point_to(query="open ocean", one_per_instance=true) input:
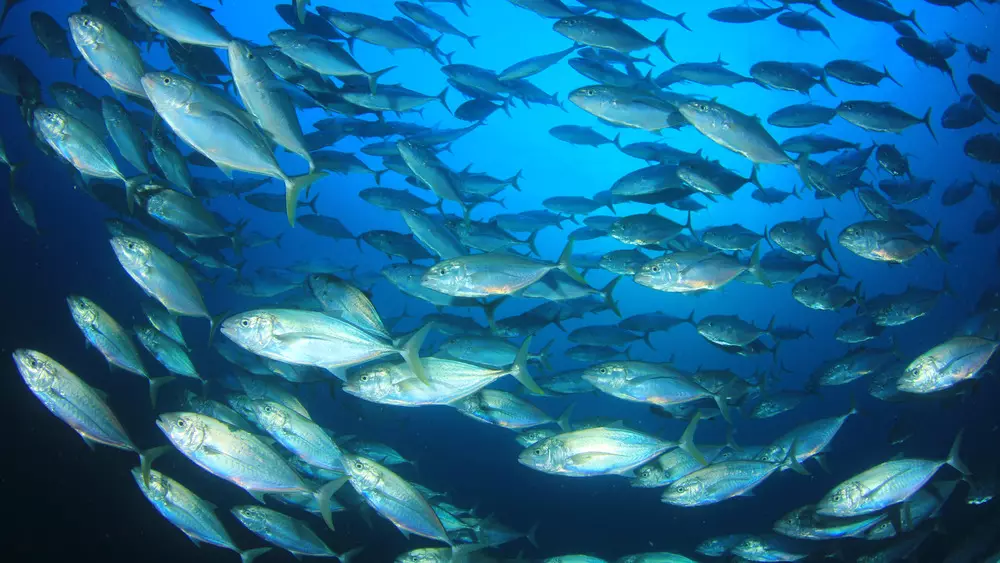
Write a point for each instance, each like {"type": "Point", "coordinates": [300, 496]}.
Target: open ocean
{"type": "Point", "coordinates": [64, 500]}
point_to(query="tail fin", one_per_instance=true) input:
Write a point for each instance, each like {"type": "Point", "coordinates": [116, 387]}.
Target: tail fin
{"type": "Point", "coordinates": [686, 442]}
{"type": "Point", "coordinates": [563, 420]}
{"type": "Point", "coordinates": [938, 245]}
{"type": "Point", "coordinates": [565, 264]}
{"type": "Point", "coordinates": [679, 19]}
{"type": "Point", "coordinates": [131, 185]}
{"type": "Point", "coordinates": [531, 242]}
{"type": "Point", "coordinates": [792, 459]}
{"type": "Point", "coordinates": [350, 554]}
{"type": "Point", "coordinates": [373, 77]}
{"type": "Point", "coordinates": [826, 85]}
{"type": "Point", "coordinates": [609, 300]}
{"type": "Point", "coordinates": [885, 72]}
{"type": "Point", "coordinates": [755, 268]}
{"type": "Point", "coordinates": [543, 355]}
{"type": "Point", "coordinates": [530, 536]}
{"type": "Point", "coordinates": [519, 369]}
{"type": "Point", "coordinates": [214, 322]}
{"type": "Point", "coordinates": [154, 387]}
{"type": "Point", "coordinates": [443, 98]}
{"type": "Point", "coordinates": [323, 495]}
{"type": "Point", "coordinates": [146, 459]}
{"type": "Point", "coordinates": [490, 310]}
{"type": "Point", "coordinates": [927, 121]}
{"type": "Point", "coordinates": [249, 555]}
{"type": "Point", "coordinates": [617, 141]}
{"type": "Point", "coordinates": [661, 42]}
{"type": "Point", "coordinates": [753, 179]}
{"type": "Point", "coordinates": [953, 459]}
{"type": "Point", "coordinates": [411, 351]}
{"type": "Point", "coordinates": [293, 187]}
{"type": "Point", "coordinates": [912, 18]}
{"type": "Point", "coordinates": [515, 178]}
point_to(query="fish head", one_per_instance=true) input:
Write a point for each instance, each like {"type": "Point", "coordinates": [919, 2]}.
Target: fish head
{"type": "Point", "coordinates": [610, 375]}
{"type": "Point", "coordinates": [371, 382]}
{"type": "Point", "coordinates": [648, 475]}
{"type": "Point", "coordinates": [146, 334]}
{"type": "Point", "coordinates": [545, 455]}
{"type": "Point", "coordinates": [881, 531]}
{"type": "Point", "coordinates": [570, 25]}
{"type": "Point", "coordinates": [702, 114]}
{"type": "Point", "coordinates": [269, 414]}
{"type": "Point", "coordinates": [920, 375]}
{"type": "Point", "coordinates": [39, 371]}
{"type": "Point", "coordinates": [790, 523]}
{"type": "Point", "coordinates": [856, 239]}
{"type": "Point", "coordinates": [773, 453]}
{"type": "Point", "coordinates": [87, 30]}
{"type": "Point", "coordinates": [158, 487]}
{"type": "Point", "coordinates": [252, 330]}
{"type": "Point", "coordinates": [445, 277]}
{"type": "Point", "coordinates": [243, 60]}
{"type": "Point", "coordinates": [364, 473]}
{"type": "Point", "coordinates": [242, 404]}
{"type": "Point", "coordinates": [84, 310]}
{"type": "Point", "coordinates": [842, 500]}
{"type": "Point", "coordinates": [186, 430]}
{"type": "Point", "coordinates": [750, 546]}
{"type": "Point", "coordinates": [686, 491]}
{"type": "Point", "coordinates": [51, 122]}
{"type": "Point", "coordinates": [533, 436]}
{"type": "Point", "coordinates": [655, 273]}
{"type": "Point", "coordinates": [254, 517]}
{"type": "Point", "coordinates": [590, 97]}
{"type": "Point", "coordinates": [168, 91]}
{"type": "Point", "coordinates": [133, 252]}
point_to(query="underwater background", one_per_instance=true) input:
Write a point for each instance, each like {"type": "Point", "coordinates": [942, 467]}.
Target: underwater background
{"type": "Point", "coordinates": [65, 501]}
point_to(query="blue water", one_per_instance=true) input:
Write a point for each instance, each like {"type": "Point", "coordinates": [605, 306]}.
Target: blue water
{"type": "Point", "coordinates": [476, 463]}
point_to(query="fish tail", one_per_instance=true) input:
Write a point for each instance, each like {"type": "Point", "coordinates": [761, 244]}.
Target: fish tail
{"type": "Point", "coordinates": [792, 459]}
{"type": "Point", "coordinates": [373, 77]}
{"type": "Point", "coordinates": [350, 554]}
{"type": "Point", "coordinates": [532, 238]}
{"type": "Point", "coordinates": [519, 369]}
{"type": "Point", "coordinates": [131, 185]}
{"type": "Point", "coordinates": [686, 442]}
{"type": "Point", "coordinates": [912, 18]}
{"type": "Point", "coordinates": [609, 300]}
{"type": "Point", "coordinates": [154, 387]}
{"type": "Point", "coordinates": [679, 20]}
{"type": "Point", "coordinates": [323, 496]}
{"type": "Point", "coordinates": [293, 187]}
{"type": "Point", "coordinates": [926, 120]}
{"type": "Point", "coordinates": [443, 98]}
{"type": "Point", "coordinates": [826, 85]}
{"type": "Point", "coordinates": [472, 40]}
{"type": "Point", "coordinates": [938, 245]}
{"type": "Point", "coordinates": [690, 319]}
{"type": "Point", "coordinates": [885, 71]}
{"type": "Point", "coordinates": [490, 309]}
{"type": "Point", "coordinates": [755, 180]}
{"type": "Point", "coordinates": [146, 459]}
{"type": "Point", "coordinates": [566, 266]}
{"type": "Point", "coordinates": [824, 9]}
{"type": "Point", "coordinates": [411, 352]}
{"type": "Point", "coordinates": [661, 42]}
{"type": "Point", "coordinates": [953, 459]}
{"type": "Point", "coordinates": [249, 555]}
{"type": "Point", "coordinates": [530, 536]}
{"type": "Point", "coordinates": [543, 355]}
{"type": "Point", "coordinates": [755, 268]}
{"type": "Point", "coordinates": [215, 320]}
{"type": "Point", "coordinates": [731, 439]}
{"type": "Point", "coordinates": [563, 420]}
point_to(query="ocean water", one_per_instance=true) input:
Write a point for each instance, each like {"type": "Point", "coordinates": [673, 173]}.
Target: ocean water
{"type": "Point", "coordinates": [65, 500]}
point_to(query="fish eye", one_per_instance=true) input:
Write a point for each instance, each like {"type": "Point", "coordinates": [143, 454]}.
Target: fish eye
{"type": "Point", "coordinates": [538, 451]}
{"type": "Point", "coordinates": [364, 378]}
{"type": "Point", "coordinates": [655, 269]}
{"type": "Point", "coordinates": [166, 80]}
{"type": "Point", "coordinates": [245, 323]}
{"type": "Point", "coordinates": [130, 245]}
{"type": "Point", "coordinates": [681, 489]}
{"type": "Point", "coordinates": [181, 423]}
{"type": "Point", "coordinates": [268, 409]}
{"type": "Point", "coordinates": [603, 370]}
{"type": "Point", "coordinates": [358, 465]}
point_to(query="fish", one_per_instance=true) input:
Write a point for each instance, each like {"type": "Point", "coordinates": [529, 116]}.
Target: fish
{"type": "Point", "coordinates": [600, 451]}
{"type": "Point", "coordinates": [885, 241]}
{"type": "Point", "coordinates": [947, 364]}
{"type": "Point", "coordinates": [881, 117]}
{"type": "Point", "coordinates": [191, 514]}
{"type": "Point", "coordinates": [224, 133]}
{"type": "Point", "coordinates": [169, 353]}
{"type": "Point", "coordinates": [82, 407]}
{"type": "Point", "coordinates": [885, 484]}
{"type": "Point", "coordinates": [282, 530]}
{"type": "Point", "coordinates": [183, 21]}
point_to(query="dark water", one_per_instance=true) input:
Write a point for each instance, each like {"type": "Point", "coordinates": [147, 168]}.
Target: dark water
{"type": "Point", "coordinates": [63, 500]}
